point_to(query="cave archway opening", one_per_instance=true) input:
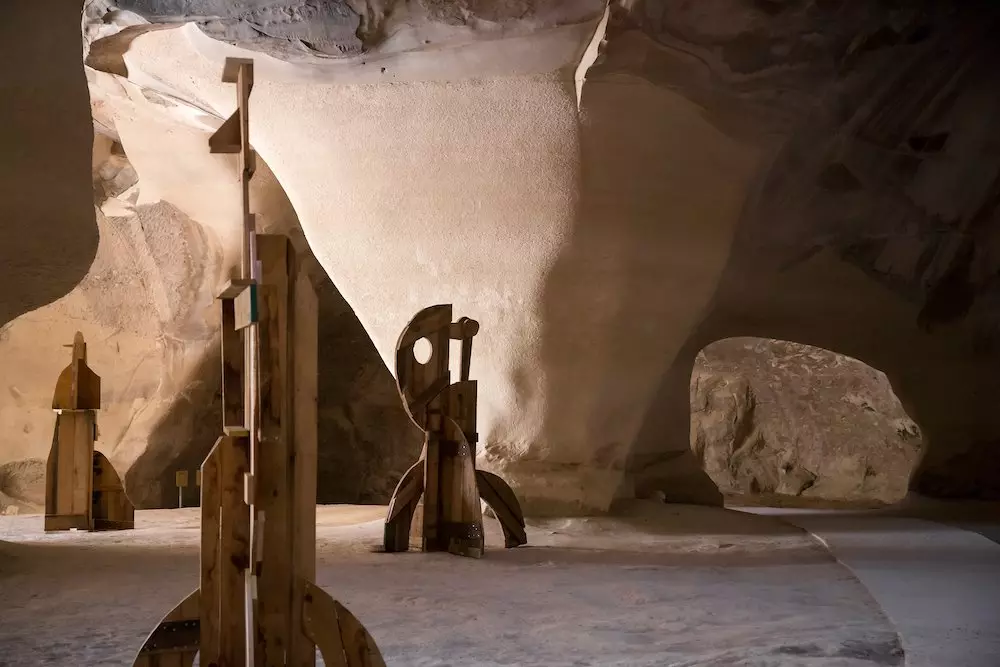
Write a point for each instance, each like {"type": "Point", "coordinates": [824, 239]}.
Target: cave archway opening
{"type": "Point", "coordinates": [780, 423]}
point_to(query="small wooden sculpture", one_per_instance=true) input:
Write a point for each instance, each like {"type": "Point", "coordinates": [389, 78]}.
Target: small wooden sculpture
{"type": "Point", "coordinates": [256, 603]}
{"type": "Point", "coordinates": [445, 477]}
{"type": "Point", "coordinates": [82, 489]}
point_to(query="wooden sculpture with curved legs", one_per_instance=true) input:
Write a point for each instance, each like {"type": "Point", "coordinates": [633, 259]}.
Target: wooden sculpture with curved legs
{"type": "Point", "coordinates": [256, 604]}
{"type": "Point", "coordinates": [440, 494]}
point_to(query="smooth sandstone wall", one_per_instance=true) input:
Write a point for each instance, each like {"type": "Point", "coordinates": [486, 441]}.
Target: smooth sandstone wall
{"type": "Point", "coordinates": [584, 247]}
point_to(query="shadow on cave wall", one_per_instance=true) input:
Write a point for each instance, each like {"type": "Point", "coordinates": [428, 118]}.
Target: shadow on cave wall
{"type": "Point", "coordinates": [180, 440]}
{"type": "Point", "coordinates": [873, 232]}
{"type": "Point", "coordinates": [48, 233]}
{"type": "Point", "coordinates": [366, 442]}
{"type": "Point", "coordinates": [899, 262]}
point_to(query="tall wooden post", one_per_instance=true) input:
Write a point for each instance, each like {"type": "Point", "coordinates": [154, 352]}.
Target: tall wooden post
{"type": "Point", "coordinates": [256, 605]}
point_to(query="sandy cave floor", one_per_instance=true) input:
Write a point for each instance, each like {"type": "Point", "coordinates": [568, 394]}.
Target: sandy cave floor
{"type": "Point", "coordinates": [661, 585]}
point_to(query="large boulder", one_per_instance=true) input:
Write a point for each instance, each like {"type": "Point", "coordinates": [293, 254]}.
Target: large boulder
{"type": "Point", "coordinates": [771, 418]}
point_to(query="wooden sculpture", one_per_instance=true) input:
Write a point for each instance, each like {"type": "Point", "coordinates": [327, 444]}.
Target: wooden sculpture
{"type": "Point", "coordinates": [82, 489]}
{"type": "Point", "coordinates": [440, 494]}
{"type": "Point", "coordinates": [257, 603]}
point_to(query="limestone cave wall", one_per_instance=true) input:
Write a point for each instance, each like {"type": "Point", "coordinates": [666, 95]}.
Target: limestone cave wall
{"type": "Point", "coordinates": [607, 192]}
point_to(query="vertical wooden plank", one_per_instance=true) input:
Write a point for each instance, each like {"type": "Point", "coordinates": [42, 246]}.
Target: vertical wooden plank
{"type": "Point", "coordinates": [83, 464]}
{"type": "Point", "coordinates": [273, 477]}
{"type": "Point", "coordinates": [244, 83]}
{"type": "Point", "coordinates": [52, 473]}
{"type": "Point", "coordinates": [449, 510]}
{"type": "Point", "coordinates": [111, 509]}
{"type": "Point", "coordinates": [234, 547]}
{"type": "Point", "coordinates": [471, 510]}
{"type": "Point", "coordinates": [209, 599]}
{"type": "Point", "coordinates": [303, 337]}
{"type": "Point", "coordinates": [232, 368]}
{"type": "Point", "coordinates": [432, 492]}
{"type": "Point", "coordinates": [66, 462]}
{"type": "Point", "coordinates": [170, 660]}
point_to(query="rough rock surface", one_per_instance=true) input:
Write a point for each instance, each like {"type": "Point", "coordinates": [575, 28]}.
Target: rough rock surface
{"type": "Point", "coordinates": [22, 486]}
{"type": "Point", "coordinates": [147, 310]}
{"type": "Point", "coordinates": [816, 171]}
{"type": "Point", "coordinates": [771, 417]}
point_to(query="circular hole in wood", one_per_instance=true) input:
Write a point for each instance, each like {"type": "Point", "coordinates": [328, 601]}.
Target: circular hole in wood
{"type": "Point", "coordinates": [422, 351]}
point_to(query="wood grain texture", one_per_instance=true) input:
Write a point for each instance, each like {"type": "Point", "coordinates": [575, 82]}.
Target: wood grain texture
{"type": "Point", "coordinates": [232, 367]}
{"type": "Point", "coordinates": [304, 339]}
{"type": "Point", "coordinates": [234, 547]}
{"type": "Point", "coordinates": [501, 499]}
{"type": "Point", "coordinates": [69, 482]}
{"type": "Point", "coordinates": [211, 591]}
{"type": "Point", "coordinates": [186, 610]}
{"type": "Point", "coordinates": [111, 508]}
{"type": "Point", "coordinates": [462, 493]}
{"type": "Point", "coordinates": [341, 638]}
{"type": "Point", "coordinates": [273, 478]}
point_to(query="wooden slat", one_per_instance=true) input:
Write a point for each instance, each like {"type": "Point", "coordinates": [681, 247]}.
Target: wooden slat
{"type": "Point", "coordinates": [409, 488]}
{"type": "Point", "coordinates": [244, 84]}
{"type": "Point", "coordinates": [501, 499]}
{"type": "Point", "coordinates": [341, 638]}
{"type": "Point", "coordinates": [210, 603]}
{"type": "Point", "coordinates": [402, 512]}
{"type": "Point", "coordinates": [73, 468]}
{"type": "Point", "coordinates": [274, 476]}
{"type": "Point", "coordinates": [432, 493]}
{"type": "Point", "coordinates": [186, 610]}
{"type": "Point", "coordinates": [52, 474]}
{"type": "Point", "coordinates": [234, 547]}
{"type": "Point", "coordinates": [359, 646]}
{"type": "Point", "coordinates": [112, 510]}
{"type": "Point", "coordinates": [449, 508]}
{"type": "Point", "coordinates": [83, 462]}
{"type": "Point", "coordinates": [65, 482]}
{"type": "Point", "coordinates": [462, 399]}
{"type": "Point", "coordinates": [303, 338]}
{"type": "Point", "coordinates": [232, 368]}
{"type": "Point", "coordinates": [464, 508]}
